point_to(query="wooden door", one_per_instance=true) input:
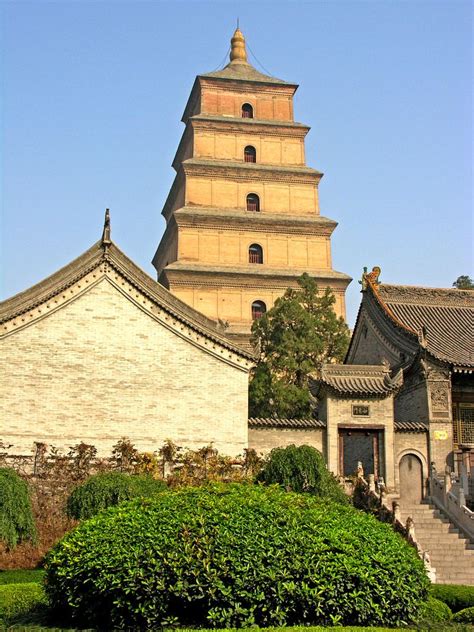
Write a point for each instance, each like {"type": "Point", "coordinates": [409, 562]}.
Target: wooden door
{"type": "Point", "coordinates": [411, 479]}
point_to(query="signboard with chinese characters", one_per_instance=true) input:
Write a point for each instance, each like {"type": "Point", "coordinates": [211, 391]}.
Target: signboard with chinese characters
{"type": "Point", "coordinates": [360, 410]}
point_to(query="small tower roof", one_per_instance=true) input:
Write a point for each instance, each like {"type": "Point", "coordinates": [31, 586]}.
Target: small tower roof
{"type": "Point", "coordinates": [239, 68]}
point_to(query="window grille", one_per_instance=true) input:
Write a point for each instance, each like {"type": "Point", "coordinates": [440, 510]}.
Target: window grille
{"type": "Point", "coordinates": [463, 424]}
{"type": "Point", "coordinates": [250, 154]}
{"type": "Point", "coordinates": [247, 111]}
{"type": "Point", "coordinates": [255, 254]}
{"type": "Point", "coordinates": [253, 202]}
{"type": "Point", "coordinates": [258, 309]}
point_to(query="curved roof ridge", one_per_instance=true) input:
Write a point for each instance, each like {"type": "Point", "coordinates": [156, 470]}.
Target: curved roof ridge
{"type": "Point", "coordinates": [40, 291]}
{"type": "Point", "coordinates": [97, 254]}
{"type": "Point", "coordinates": [373, 285]}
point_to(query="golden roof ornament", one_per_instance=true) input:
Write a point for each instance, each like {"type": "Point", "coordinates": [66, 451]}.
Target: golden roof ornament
{"type": "Point", "coordinates": [238, 53]}
{"type": "Point", "coordinates": [370, 277]}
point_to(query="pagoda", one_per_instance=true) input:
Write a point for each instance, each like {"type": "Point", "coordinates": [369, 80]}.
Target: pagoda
{"type": "Point", "coordinates": [242, 215]}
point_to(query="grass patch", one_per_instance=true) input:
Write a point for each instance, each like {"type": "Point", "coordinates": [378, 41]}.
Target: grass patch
{"type": "Point", "coordinates": [21, 577]}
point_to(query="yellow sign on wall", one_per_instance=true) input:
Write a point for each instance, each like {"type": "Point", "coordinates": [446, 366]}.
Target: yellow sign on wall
{"type": "Point", "coordinates": [440, 435]}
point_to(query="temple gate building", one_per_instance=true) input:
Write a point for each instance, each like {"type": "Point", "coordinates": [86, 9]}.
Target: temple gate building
{"type": "Point", "coordinates": [243, 219]}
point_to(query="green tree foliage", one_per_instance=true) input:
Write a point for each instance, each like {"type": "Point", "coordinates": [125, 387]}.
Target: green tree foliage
{"type": "Point", "coordinates": [301, 469]}
{"type": "Point", "coordinates": [464, 282]}
{"type": "Point", "coordinates": [234, 556]}
{"type": "Point", "coordinates": [294, 338]}
{"type": "Point", "coordinates": [105, 490]}
{"type": "Point", "coordinates": [16, 516]}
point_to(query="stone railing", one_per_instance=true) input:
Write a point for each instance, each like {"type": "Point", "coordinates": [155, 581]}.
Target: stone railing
{"type": "Point", "coordinates": [449, 493]}
{"type": "Point", "coordinates": [371, 496]}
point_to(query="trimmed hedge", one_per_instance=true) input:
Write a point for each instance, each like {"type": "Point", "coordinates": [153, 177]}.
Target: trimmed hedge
{"type": "Point", "coordinates": [20, 600]}
{"type": "Point", "coordinates": [464, 616]}
{"type": "Point", "coordinates": [457, 597]}
{"type": "Point", "coordinates": [234, 556]}
{"type": "Point", "coordinates": [301, 469]}
{"type": "Point", "coordinates": [435, 611]}
{"type": "Point", "coordinates": [107, 490]}
{"type": "Point", "coordinates": [16, 516]}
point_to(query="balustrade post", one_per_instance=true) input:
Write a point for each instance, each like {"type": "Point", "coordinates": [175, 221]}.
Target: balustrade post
{"type": "Point", "coordinates": [372, 483]}
{"type": "Point", "coordinates": [463, 479]}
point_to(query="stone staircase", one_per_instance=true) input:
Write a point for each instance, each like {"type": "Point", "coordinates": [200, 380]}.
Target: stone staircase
{"type": "Point", "coordinates": [451, 554]}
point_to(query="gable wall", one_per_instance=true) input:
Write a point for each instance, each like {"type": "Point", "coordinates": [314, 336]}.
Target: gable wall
{"type": "Point", "coordinates": [100, 368]}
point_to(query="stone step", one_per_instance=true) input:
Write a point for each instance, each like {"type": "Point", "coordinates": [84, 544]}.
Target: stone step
{"type": "Point", "coordinates": [451, 553]}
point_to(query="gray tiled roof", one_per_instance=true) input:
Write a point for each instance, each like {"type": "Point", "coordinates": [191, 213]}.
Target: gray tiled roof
{"type": "Point", "coordinates": [242, 72]}
{"type": "Point", "coordinates": [445, 315]}
{"type": "Point", "coordinates": [350, 379]}
{"type": "Point", "coordinates": [275, 422]}
{"type": "Point", "coordinates": [410, 426]}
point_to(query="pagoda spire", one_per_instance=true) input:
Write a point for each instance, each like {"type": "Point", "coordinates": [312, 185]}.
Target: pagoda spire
{"type": "Point", "coordinates": [238, 52]}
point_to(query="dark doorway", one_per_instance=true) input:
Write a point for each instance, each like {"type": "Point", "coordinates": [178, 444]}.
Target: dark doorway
{"type": "Point", "coordinates": [364, 446]}
{"type": "Point", "coordinates": [411, 479]}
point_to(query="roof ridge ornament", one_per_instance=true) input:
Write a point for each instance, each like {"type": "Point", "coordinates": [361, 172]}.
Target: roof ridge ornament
{"type": "Point", "coordinates": [105, 240]}
{"type": "Point", "coordinates": [238, 52]}
{"type": "Point", "coordinates": [370, 277]}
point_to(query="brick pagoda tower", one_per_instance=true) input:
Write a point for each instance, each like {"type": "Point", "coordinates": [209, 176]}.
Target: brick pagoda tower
{"type": "Point", "coordinates": [242, 215]}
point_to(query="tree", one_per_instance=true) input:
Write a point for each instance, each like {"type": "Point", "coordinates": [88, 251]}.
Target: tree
{"type": "Point", "coordinates": [16, 515]}
{"type": "Point", "coordinates": [293, 339]}
{"type": "Point", "coordinates": [464, 282]}
{"type": "Point", "coordinates": [301, 469]}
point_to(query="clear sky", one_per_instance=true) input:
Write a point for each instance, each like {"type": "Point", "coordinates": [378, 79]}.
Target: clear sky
{"type": "Point", "coordinates": [93, 93]}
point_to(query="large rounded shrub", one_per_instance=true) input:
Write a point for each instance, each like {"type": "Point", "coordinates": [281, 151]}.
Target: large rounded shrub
{"type": "Point", "coordinates": [234, 556]}
{"type": "Point", "coordinates": [16, 515]}
{"type": "Point", "coordinates": [106, 490]}
{"type": "Point", "coordinates": [301, 469]}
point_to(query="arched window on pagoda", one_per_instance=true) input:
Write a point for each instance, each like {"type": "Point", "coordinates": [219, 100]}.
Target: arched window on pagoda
{"type": "Point", "coordinates": [250, 154]}
{"type": "Point", "coordinates": [258, 309]}
{"type": "Point", "coordinates": [253, 202]}
{"type": "Point", "coordinates": [255, 253]}
{"type": "Point", "coordinates": [247, 111]}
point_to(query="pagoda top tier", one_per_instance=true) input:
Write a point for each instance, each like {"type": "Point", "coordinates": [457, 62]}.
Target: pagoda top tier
{"type": "Point", "coordinates": [239, 69]}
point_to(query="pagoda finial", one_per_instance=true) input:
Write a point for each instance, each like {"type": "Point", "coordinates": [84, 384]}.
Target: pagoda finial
{"type": "Point", "coordinates": [238, 53]}
{"type": "Point", "coordinates": [106, 232]}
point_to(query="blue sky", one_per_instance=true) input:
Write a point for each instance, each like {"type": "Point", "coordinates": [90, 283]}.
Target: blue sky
{"type": "Point", "coordinates": [93, 93]}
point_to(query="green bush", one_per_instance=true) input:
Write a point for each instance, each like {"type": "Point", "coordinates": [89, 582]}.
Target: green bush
{"type": "Point", "coordinates": [464, 616]}
{"type": "Point", "coordinates": [234, 556]}
{"type": "Point", "coordinates": [16, 516]}
{"type": "Point", "coordinates": [301, 469]}
{"type": "Point", "coordinates": [20, 600]}
{"type": "Point", "coordinates": [435, 611]}
{"type": "Point", "coordinates": [457, 597]}
{"type": "Point", "coordinates": [21, 577]}
{"type": "Point", "coordinates": [106, 490]}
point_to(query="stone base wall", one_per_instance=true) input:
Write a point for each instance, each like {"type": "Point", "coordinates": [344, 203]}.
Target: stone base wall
{"type": "Point", "coordinates": [262, 440]}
